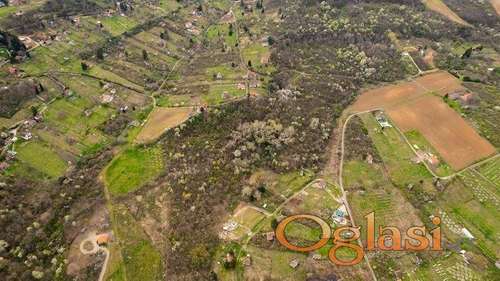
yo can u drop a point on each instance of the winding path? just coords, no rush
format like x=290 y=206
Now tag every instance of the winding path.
x=92 y=239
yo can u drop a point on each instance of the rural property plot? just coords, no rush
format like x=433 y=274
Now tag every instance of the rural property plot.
x=458 y=143
x=440 y=83
x=160 y=120
x=415 y=106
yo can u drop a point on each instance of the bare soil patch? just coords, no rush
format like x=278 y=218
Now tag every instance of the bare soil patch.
x=440 y=83
x=387 y=96
x=160 y=120
x=440 y=7
x=429 y=58
x=457 y=142
x=496 y=5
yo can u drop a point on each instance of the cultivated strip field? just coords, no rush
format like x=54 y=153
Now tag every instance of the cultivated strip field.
x=416 y=105
x=161 y=120
x=440 y=7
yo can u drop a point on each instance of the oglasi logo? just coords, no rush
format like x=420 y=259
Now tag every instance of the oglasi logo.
x=416 y=238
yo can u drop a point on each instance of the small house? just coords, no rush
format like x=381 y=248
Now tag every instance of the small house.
x=103 y=239
x=382 y=121
x=270 y=236
x=230 y=226
x=294 y=263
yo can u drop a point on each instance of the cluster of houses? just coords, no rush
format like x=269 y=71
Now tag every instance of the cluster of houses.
x=8 y=139
x=425 y=156
x=191 y=26
x=4 y=3
x=464 y=97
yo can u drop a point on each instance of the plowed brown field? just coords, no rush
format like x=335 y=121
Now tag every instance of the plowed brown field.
x=415 y=106
x=456 y=141
x=440 y=7
x=160 y=120
x=496 y=5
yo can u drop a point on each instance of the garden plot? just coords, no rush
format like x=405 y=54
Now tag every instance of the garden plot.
x=135 y=71
x=100 y=72
x=117 y=25
x=161 y=120
x=155 y=54
x=470 y=203
x=452 y=267
x=44 y=59
x=226 y=72
x=483 y=190
x=370 y=190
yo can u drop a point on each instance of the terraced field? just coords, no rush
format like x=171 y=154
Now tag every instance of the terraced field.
x=491 y=170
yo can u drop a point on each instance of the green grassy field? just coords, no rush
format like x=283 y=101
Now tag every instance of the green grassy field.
x=173 y=101
x=300 y=231
x=5 y=11
x=228 y=72
x=117 y=25
x=217 y=31
x=216 y=93
x=254 y=53
x=477 y=209
x=108 y=75
x=274 y=264
x=358 y=173
x=132 y=169
x=289 y=183
x=41 y=158
x=141 y=261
